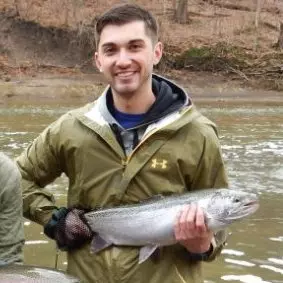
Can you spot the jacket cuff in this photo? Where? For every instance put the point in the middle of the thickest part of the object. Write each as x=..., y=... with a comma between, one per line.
x=202, y=256
x=51, y=226
x=216, y=249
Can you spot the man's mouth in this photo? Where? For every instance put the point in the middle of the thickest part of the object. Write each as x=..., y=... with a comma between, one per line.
x=125, y=74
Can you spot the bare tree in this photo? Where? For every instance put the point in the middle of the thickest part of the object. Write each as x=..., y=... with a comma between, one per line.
x=257, y=13
x=17, y=7
x=280, y=38
x=257, y=19
x=174, y=4
x=182, y=11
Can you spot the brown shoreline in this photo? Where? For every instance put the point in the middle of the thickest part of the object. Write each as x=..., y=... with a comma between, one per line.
x=77, y=89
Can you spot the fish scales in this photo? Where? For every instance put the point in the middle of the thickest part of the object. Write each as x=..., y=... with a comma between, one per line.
x=150, y=224
x=156, y=202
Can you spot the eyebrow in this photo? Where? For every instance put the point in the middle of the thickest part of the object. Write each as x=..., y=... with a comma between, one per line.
x=109, y=44
x=136, y=41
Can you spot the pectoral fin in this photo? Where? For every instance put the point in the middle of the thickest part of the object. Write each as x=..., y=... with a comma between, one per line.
x=146, y=252
x=98, y=244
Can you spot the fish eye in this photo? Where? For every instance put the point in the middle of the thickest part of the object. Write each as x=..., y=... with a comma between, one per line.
x=236, y=200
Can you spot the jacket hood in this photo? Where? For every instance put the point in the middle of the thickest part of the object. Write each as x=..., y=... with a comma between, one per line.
x=169, y=98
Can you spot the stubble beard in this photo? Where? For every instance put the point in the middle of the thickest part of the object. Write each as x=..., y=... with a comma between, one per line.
x=132, y=91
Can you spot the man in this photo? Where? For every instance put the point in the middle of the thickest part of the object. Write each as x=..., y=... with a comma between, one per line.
x=142, y=137
x=11, y=228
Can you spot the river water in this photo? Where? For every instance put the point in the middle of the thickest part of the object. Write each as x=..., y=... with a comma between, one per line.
x=252, y=141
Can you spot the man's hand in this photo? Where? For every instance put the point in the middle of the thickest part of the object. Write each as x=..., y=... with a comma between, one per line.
x=191, y=231
x=68, y=228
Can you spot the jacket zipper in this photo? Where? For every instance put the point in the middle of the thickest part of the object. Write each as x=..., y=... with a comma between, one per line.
x=126, y=161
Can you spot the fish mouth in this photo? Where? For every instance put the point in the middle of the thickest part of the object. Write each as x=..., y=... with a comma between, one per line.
x=245, y=210
x=250, y=207
x=251, y=203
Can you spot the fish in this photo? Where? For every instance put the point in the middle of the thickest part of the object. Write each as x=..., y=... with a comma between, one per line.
x=150, y=223
x=21, y=273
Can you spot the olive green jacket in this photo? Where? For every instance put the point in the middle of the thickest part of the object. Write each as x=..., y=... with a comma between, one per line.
x=11, y=220
x=177, y=153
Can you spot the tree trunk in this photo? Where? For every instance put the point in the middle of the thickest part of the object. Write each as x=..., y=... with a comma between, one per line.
x=257, y=13
x=280, y=38
x=17, y=7
x=174, y=4
x=257, y=19
x=182, y=12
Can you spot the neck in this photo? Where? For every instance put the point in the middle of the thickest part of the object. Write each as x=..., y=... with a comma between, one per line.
x=134, y=103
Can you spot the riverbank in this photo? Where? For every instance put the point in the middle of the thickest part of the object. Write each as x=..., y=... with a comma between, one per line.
x=70, y=87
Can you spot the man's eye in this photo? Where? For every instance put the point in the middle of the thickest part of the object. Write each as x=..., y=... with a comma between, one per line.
x=135, y=47
x=109, y=51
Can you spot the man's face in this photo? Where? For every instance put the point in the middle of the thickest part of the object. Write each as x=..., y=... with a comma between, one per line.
x=126, y=55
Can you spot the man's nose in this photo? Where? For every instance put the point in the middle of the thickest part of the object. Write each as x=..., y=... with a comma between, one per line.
x=124, y=59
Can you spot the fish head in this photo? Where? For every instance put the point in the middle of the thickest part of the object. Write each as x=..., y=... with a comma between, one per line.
x=227, y=206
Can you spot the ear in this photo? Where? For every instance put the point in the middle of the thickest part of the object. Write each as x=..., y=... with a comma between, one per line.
x=97, y=62
x=158, y=51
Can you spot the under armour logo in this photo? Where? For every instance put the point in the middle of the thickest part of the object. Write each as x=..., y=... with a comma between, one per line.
x=156, y=163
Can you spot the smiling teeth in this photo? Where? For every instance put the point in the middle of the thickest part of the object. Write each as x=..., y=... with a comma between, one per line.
x=125, y=74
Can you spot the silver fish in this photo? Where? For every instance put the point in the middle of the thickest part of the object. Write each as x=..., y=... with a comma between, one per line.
x=149, y=224
x=18, y=273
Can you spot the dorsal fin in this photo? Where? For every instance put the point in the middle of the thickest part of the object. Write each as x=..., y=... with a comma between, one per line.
x=152, y=198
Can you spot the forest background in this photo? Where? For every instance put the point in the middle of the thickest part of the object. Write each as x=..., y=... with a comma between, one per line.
x=216, y=40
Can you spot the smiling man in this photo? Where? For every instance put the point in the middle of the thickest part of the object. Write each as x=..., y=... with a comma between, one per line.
x=126, y=56
x=142, y=137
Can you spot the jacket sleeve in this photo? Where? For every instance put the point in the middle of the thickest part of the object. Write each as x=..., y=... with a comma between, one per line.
x=39, y=165
x=210, y=170
x=211, y=173
x=11, y=229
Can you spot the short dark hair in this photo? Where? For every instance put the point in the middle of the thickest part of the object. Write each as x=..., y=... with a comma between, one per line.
x=126, y=13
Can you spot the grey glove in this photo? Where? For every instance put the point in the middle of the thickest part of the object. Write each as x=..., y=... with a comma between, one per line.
x=68, y=228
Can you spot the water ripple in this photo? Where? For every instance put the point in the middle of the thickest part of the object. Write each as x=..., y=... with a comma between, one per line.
x=244, y=278
x=272, y=268
x=239, y=262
